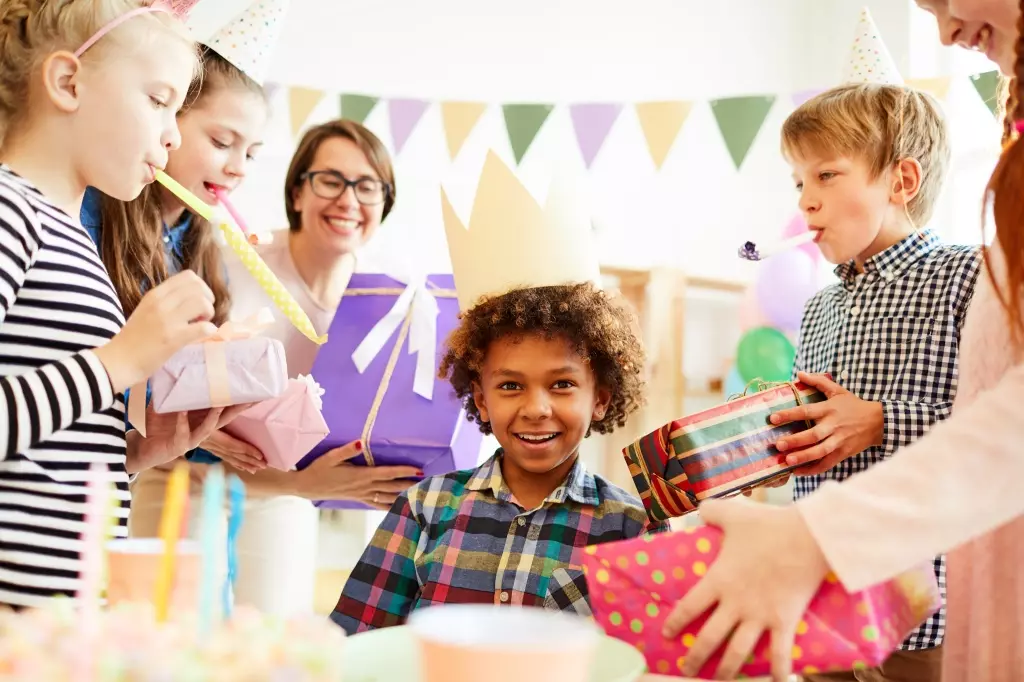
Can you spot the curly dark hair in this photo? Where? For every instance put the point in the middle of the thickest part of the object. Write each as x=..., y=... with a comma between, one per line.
x=600, y=328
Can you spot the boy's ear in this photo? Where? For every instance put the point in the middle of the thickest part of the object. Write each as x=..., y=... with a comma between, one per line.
x=604, y=399
x=481, y=403
x=907, y=176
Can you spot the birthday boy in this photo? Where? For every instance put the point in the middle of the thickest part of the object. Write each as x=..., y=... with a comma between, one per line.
x=542, y=357
x=869, y=160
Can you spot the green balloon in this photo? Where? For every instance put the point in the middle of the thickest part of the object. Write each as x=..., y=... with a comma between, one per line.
x=765, y=353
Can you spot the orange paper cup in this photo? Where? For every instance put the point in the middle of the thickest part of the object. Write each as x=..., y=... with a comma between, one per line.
x=512, y=644
x=134, y=564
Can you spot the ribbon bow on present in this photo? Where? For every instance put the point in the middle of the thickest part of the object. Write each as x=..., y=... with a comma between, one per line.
x=314, y=390
x=216, y=364
x=416, y=312
x=715, y=453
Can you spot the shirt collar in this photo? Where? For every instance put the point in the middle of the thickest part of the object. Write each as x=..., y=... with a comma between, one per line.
x=579, y=486
x=894, y=261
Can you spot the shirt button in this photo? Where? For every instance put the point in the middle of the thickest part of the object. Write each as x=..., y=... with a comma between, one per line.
x=503, y=597
x=855, y=310
x=521, y=521
x=167, y=239
x=844, y=375
x=888, y=276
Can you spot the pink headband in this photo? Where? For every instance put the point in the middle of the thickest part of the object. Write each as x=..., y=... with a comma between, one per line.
x=1019, y=125
x=159, y=7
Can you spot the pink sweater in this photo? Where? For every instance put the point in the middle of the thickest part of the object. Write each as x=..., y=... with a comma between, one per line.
x=957, y=490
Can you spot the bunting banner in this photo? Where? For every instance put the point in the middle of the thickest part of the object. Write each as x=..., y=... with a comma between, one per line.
x=301, y=103
x=459, y=120
x=661, y=123
x=404, y=115
x=523, y=122
x=592, y=123
x=740, y=120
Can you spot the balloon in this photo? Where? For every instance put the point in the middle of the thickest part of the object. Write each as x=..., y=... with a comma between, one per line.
x=750, y=313
x=765, y=353
x=798, y=226
x=784, y=284
x=734, y=383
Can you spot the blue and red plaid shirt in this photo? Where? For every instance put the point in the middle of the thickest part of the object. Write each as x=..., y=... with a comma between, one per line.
x=464, y=538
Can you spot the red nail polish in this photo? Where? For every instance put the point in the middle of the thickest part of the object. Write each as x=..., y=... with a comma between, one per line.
x=359, y=445
x=420, y=473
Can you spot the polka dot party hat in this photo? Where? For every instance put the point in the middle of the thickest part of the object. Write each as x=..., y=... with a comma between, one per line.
x=870, y=61
x=244, y=32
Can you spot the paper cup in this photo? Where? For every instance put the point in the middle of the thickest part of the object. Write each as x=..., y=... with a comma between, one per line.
x=134, y=564
x=512, y=644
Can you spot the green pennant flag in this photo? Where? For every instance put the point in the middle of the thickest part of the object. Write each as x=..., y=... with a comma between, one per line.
x=989, y=86
x=523, y=122
x=357, y=107
x=740, y=120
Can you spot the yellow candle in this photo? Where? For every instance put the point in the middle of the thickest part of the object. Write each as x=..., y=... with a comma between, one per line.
x=238, y=242
x=170, y=532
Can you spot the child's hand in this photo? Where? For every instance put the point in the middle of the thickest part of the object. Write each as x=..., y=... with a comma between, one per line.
x=331, y=477
x=171, y=435
x=234, y=452
x=169, y=317
x=844, y=425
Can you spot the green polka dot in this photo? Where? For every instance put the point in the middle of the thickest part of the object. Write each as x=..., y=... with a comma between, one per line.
x=636, y=626
x=615, y=618
x=869, y=633
x=658, y=577
x=859, y=665
x=652, y=610
x=642, y=558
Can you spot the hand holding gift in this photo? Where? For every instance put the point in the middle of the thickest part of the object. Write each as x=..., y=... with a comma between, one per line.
x=332, y=476
x=234, y=452
x=172, y=435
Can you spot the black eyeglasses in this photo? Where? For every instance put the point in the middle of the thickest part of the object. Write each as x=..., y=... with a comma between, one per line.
x=328, y=184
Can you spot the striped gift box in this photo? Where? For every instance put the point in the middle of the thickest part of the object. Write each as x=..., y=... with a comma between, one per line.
x=715, y=453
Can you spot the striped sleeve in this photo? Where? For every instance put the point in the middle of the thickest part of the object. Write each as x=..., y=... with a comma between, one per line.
x=36, y=404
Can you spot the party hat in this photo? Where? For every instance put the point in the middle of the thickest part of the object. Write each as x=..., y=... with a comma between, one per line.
x=870, y=61
x=513, y=243
x=244, y=32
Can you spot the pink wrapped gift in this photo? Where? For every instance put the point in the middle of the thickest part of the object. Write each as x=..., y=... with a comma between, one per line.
x=634, y=584
x=285, y=428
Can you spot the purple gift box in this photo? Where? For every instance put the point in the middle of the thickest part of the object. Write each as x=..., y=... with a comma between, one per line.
x=249, y=370
x=406, y=428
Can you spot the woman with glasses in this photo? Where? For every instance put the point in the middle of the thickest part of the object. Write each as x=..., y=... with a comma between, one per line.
x=339, y=187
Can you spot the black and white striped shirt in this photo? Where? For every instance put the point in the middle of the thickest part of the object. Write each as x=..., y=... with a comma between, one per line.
x=58, y=412
x=892, y=335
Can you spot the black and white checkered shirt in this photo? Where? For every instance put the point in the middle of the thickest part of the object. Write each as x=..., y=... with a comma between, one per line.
x=892, y=334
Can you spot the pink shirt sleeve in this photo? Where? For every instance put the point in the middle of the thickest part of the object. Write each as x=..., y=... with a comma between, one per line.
x=960, y=481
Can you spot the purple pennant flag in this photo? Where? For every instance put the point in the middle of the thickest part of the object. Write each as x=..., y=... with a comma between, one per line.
x=593, y=122
x=404, y=114
x=804, y=95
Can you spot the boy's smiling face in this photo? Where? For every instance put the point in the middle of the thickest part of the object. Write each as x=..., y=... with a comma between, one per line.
x=540, y=398
x=851, y=211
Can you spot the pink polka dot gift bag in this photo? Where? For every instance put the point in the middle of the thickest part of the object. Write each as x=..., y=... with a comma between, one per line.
x=634, y=583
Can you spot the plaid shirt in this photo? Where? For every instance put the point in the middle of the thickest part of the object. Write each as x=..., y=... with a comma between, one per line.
x=892, y=335
x=463, y=538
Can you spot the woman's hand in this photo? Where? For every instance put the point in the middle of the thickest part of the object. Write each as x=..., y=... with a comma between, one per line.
x=331, y=477
x=237, y=453
x=173, y=434
x=768, y=570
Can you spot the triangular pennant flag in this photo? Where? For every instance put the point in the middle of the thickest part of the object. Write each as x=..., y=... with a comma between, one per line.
x=523, y=122
x=989, y=86
x=661, y=123
x=357, y=107
x=459, y=119
x=936, y=87
x=592, y=123
x=404, y=115
x=800, y=97
x=301, y=103
x=740, y=120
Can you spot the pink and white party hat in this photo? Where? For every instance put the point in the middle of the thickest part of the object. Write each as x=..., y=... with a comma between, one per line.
x=870, y=61
x=244, y=32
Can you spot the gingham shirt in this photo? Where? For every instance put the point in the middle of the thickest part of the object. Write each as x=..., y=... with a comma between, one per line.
x=463, y=538
x=892, y=335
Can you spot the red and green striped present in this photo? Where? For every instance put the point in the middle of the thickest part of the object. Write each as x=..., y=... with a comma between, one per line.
x=715, y=453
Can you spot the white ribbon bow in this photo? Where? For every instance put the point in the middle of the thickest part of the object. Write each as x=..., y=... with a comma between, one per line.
x=314, y=389
x=417, y=301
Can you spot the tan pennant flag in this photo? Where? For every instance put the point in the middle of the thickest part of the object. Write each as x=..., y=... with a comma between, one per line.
x=459, y=119
x=937, y=87
x=661, y=123
x=301, y=103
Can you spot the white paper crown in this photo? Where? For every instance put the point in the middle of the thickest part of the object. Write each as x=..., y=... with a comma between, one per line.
x=512, y=243
x=870, y=61
x=244, y=32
